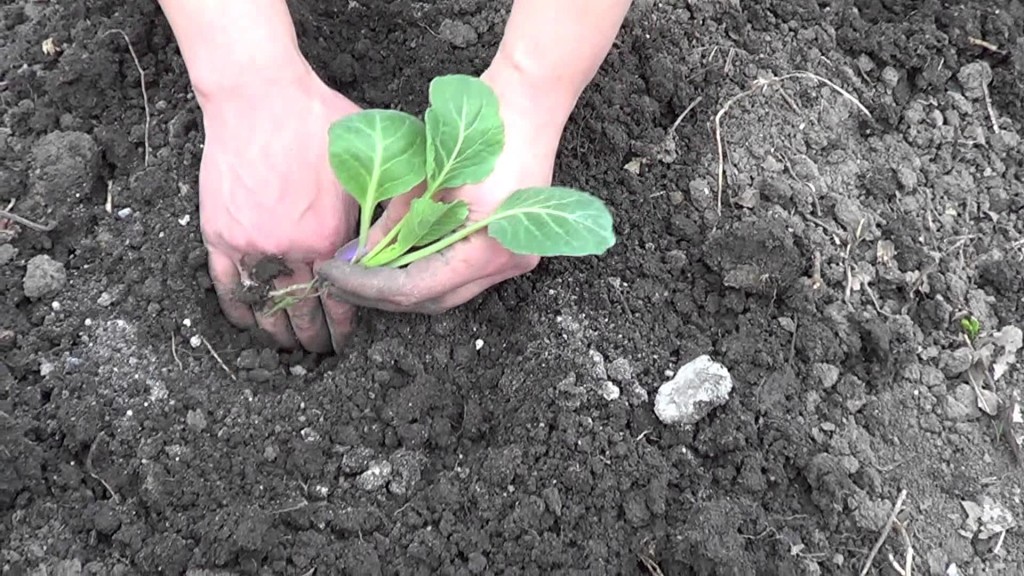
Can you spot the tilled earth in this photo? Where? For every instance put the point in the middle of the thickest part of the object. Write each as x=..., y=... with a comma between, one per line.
x=517, y=434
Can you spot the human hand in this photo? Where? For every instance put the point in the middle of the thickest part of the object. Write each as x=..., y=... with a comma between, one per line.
x=458, y=274
x=266, y=190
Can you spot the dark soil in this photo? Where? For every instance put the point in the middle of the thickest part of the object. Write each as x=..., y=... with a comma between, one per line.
x=831, y=286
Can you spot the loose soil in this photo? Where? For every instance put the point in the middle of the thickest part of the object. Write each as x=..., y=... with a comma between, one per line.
x=516, y=435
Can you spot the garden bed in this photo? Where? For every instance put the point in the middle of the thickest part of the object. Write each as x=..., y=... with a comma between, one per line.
x=140, y=433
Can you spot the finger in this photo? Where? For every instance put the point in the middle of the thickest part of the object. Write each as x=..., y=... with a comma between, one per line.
x=305, y=315
x=470, y=291
x=341, y=317
x=278, y=327
x=226, y=281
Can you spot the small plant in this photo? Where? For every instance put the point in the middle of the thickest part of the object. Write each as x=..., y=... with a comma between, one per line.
x=377, y=155
x=971, y=327
x=380, y=154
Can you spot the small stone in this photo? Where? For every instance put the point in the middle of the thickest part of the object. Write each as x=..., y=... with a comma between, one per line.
x=105, y=299
x=105, y=520
x=609, y=391
x=406, y=471
x=44, y=277
x=195, y=341
x=620, y=370
x=375, y=477
x=957, y=362
x=458, y=34
x=310, y=435
x=45, y=368
x=297, y=370
x=890, y=77
x=124, y=213
x=196, y=420
x=270, y=453
x=975, y=78
x=553, y=500
x=826, y=374
x=7, y=254
x=476, y=562
x=356, y=460
x=8, y=338
x=696, y=389
x=804, y=168
x=68, y=568
x=597, y=368
x=700, y=194
x=249, y=359
x=965, y=396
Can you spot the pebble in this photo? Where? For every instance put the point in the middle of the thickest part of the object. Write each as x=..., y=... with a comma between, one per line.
x=124, y=213
x=974, y=78
x=310, y=435
x=957, y=362
x=297, y=370
x=609, y=391
x=965, y=397
x=44, y=277
x=620, y=370
x=356, y=460
x=476, y=562
x=7, y=254
x=248, y=359
x=195, y=341
x=826, y=374
x=196, y=420
x=597, y=368
x=458, y=34
x=375, y=477
x=696, y=389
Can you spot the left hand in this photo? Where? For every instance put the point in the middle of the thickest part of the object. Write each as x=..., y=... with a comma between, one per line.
x=461, y=272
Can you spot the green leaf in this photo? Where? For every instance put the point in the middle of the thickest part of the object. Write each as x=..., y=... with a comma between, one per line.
x=552, y=221
x=427, y=221
x=377, y=155
x=465, y=134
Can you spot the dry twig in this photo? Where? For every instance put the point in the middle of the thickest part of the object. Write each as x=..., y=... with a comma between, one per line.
x=7, y=215
x=174, y=352
x=218, y=359
x=142, y=83
x=92, y=471
x=885, y=532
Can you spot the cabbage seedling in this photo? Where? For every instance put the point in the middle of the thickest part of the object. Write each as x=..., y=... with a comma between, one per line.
x=379, y=154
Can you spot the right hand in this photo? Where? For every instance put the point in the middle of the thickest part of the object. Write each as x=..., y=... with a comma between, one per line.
x=266, y=189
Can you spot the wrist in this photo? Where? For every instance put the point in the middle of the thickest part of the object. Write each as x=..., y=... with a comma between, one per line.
x=539, y=102
x=230, y=45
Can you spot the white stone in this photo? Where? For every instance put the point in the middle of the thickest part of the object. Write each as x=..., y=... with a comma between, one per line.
x=697, y=388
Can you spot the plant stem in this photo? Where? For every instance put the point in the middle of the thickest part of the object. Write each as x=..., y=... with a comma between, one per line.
x=391, y=235
x=365, y=215
x=441, y=244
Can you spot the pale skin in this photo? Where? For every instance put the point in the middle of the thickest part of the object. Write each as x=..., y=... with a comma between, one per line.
x=266, y=188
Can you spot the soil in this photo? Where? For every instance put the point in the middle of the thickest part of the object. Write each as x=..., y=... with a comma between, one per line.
x=831, y=284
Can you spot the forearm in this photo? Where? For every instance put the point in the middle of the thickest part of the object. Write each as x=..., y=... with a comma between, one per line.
x=226, y=42
x=555, y=47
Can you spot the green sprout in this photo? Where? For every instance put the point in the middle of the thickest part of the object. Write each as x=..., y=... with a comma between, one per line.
x=971, y=327
x=380, y=154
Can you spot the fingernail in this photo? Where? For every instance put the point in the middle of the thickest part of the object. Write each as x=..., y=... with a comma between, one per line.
x=348, y=251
